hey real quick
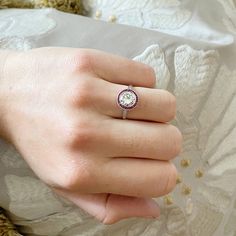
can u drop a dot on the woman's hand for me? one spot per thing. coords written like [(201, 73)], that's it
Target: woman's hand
[(59, 109)]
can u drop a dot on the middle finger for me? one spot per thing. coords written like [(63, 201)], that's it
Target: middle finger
[(142, 139)]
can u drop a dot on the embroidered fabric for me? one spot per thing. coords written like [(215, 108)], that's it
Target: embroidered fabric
[(149, 14), (174, 17), (18, 34), (204, 83), (230, 19)]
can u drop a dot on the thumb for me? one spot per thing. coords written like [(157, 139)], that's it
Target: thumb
[(110, 208)]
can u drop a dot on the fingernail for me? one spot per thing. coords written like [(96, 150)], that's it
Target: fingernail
[(154, 208)]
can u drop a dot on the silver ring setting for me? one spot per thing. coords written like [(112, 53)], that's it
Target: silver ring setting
[(127, 99)]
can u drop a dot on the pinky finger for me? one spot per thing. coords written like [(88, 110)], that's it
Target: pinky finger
[(111, 208)]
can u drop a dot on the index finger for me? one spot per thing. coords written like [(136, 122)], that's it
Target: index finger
[(120, 70)]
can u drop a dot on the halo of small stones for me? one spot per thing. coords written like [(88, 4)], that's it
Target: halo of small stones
[(127, 94)]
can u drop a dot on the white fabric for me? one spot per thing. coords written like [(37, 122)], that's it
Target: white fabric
[(201, 74), (174, 17)]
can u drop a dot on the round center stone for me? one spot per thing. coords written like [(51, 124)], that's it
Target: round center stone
[(127, 99)]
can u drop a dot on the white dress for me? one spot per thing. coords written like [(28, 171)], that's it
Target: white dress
[(200, 70)]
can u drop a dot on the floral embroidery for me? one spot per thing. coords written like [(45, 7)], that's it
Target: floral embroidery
[(230, 19), (159, 14), (154, 57), (17, 34)]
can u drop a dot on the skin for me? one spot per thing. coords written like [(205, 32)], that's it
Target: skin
[(58, 108)]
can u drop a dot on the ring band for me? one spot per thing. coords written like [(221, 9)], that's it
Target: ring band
[(127, 99)]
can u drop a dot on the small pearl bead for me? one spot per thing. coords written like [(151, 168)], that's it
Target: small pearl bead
[(98, 14), (112, 18), (168, 200), (179, 179), (186, 190), (185, 162), (199, 173), (189, 206)]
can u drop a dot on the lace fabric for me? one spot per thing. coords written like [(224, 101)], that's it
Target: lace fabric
[(204, 83)]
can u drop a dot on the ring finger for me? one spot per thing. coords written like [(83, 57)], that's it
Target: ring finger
[(153, 104)]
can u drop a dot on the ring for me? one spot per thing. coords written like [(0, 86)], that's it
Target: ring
[(127, 99)]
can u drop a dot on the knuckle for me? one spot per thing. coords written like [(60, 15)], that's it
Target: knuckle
[(170, 182), (80, 92), (176, 141), (150, 75), (78, 177), (83, 61), (79, 135), (170, 101)]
